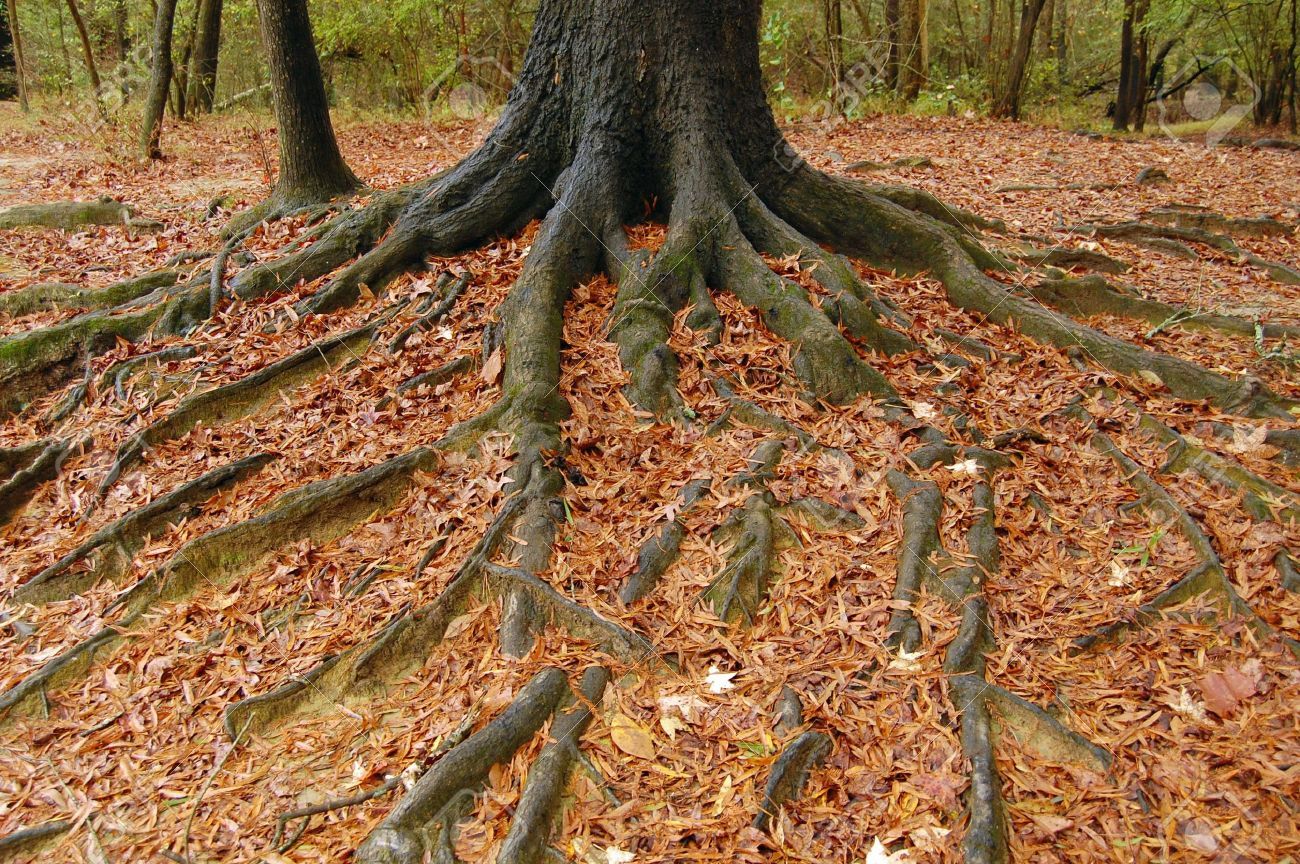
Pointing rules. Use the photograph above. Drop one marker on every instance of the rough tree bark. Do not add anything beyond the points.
(623, 109)
(312, 169)
(160, 79)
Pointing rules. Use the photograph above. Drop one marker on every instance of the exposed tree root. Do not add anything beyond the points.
(790, 774)
(1068, 258)
(1167, 237)
(841, 213)
(922, 560)
(1263, 500)
(109, 551)
(449, 288)
(1287, 441)
(36, 362)
(21, 486)
(1042, 734)
(57, 295)
(71, 215)
(242, 398)
(320, 511)
(851, 304)
(1095, 296)
(422, 821)
(1184, 216)
(660, 551)
(650, 291)
(303, 815)
(32, 841)
(741, 586)
(1207, 577)
(824, 361)
(537, 814)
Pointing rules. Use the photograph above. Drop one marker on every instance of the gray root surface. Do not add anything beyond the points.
(417, 824)
(1207, 576)
(790, 774)
(537, 815)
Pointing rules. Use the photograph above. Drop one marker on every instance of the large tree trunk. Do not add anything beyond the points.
(203, 64)
(311, 167)
(159, 81)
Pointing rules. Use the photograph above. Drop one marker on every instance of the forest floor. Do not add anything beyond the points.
(1198, 716)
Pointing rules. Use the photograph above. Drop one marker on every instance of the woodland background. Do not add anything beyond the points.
(1080, 63)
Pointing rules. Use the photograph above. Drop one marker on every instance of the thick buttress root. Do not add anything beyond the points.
(860, 222)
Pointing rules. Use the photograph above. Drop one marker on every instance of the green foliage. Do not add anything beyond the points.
(408, 55)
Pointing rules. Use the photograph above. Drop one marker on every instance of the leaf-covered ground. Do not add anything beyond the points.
(1197, 713)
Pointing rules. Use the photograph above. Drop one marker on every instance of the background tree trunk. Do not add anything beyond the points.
(311, 167)
(86, 50)
(159, 80)
(16, 35)
(1008, 104)
(1126, 72)
(913, 48)
(834, 19)
(893, 32)
(8, 89)
(203, 65)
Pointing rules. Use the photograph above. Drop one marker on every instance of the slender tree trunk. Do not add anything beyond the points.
(1126, 56)
(1008, 104)
(207, 48)
(86, 50)
(7, 89)
(834, 21)
(1137, 101)
(120, 32)
(181, 77)
(1292, 61)
(893, 32)
(311, 167)
(1062, 43)
(159, 80)
(913, 48)
(16, 34)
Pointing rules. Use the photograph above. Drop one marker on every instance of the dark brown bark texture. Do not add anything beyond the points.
(311, 167)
